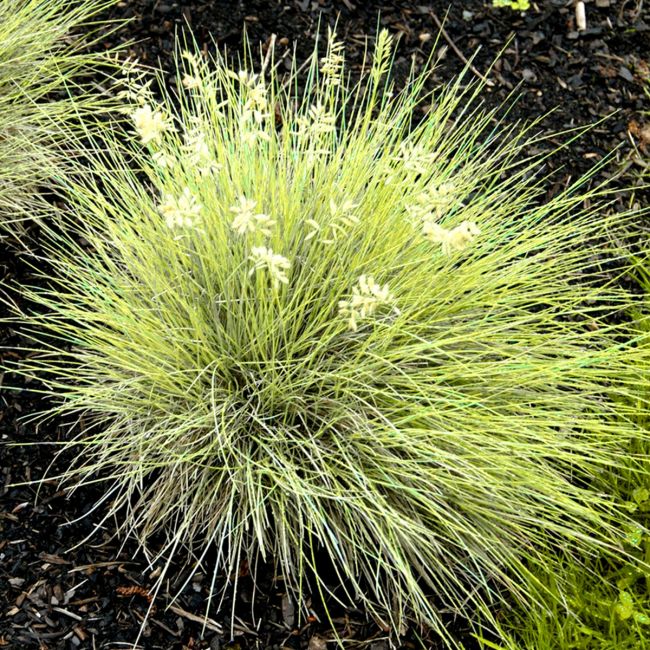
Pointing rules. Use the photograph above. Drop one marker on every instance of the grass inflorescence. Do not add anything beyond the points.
(295, 325)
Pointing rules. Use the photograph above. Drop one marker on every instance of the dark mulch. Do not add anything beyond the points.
(58, 591)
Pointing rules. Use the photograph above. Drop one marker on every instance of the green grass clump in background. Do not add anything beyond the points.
(515, 5)
(41, 60)
(604, 603)
(299, 323)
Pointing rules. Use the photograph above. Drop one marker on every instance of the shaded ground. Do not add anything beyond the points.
(95, 596)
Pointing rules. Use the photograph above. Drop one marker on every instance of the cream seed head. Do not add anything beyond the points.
(150, 123)
(444, 189)
(190, 57)
(247, 220)
(254, 110)
(342, 218)
(244, 77)
(332, 63)
(257, 115)
(462, 235)
(434, 231)
(180, 212)
(382, 55)
(137, 88)
(415, 158)
(190, 82)
(318, 121)
(257, 96)
(199, 152)
(343, 209)
(366, 298)
(251, 136)
(264, 258)
(455, 239)
(255, 93)
(418, 213)
(443, 197)
(432, 204)
(420, 209)
(161, 159)
(195, 78)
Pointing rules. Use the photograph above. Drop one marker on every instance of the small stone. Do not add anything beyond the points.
(537, 37)
(625, 74)
(528, 75)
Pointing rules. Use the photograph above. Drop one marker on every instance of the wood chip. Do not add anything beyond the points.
(80, 632)
(581, 16)
(288, 611)
(317, 642)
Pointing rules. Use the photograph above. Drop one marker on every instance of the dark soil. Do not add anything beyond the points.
(61, 591)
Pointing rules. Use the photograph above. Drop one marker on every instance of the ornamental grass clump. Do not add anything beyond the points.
(41, 63)
(295, 325)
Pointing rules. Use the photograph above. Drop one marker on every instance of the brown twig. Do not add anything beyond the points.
(459, 54)
(269, 52)
(97, 565)
(204, 620)
(165, 627)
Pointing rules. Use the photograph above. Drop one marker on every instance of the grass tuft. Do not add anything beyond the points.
(42, 63)
(294, 324)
